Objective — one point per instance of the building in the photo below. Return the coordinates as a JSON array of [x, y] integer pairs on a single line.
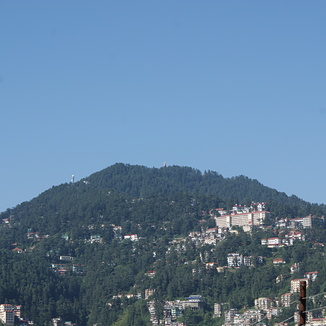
[[78, 269], [254, 218], [234, 260], [243, 216], [237, 260], [211, 265], [274, 242], [263, 303], [132, 237], [312, 221], [66, 258], [217, 310], [295, 284], [7, 314], [148, 293], [278, 261], [311, 276], [230, 314], [194, 302], [294, 268], [17, 250], [95, 239], [150, 274], [286, 299], [272, 312]]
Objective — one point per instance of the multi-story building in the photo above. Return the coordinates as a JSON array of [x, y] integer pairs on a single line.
[[229, 315], [7, 314], [311, 221], [263, 303], [295, 284], [148, 293], [243, 216], [254, 218], [237, 260], [311, 276], [272, 312], [247, 261], [316, 322], [274, 242], [194, 302], [286, 299], [234, 260], [217, 310]]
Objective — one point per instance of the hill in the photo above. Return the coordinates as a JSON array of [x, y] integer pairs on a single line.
[[105, 193], [100, 250]]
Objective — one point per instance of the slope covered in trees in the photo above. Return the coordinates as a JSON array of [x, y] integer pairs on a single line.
[[162, 206], [106, 191]]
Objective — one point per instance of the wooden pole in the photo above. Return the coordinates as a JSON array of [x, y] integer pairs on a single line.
[[302, 303]]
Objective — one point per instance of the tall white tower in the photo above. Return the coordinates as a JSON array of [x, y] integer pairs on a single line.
[[73, 178]]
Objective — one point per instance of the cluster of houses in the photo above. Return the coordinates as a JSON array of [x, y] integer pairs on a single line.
[[172, 310], [238, 260], [242, 216], [67, 265], [60, 322], [63, 269], [10, 315], [266, 308], [209, 236], [306, 222], [288, 239]]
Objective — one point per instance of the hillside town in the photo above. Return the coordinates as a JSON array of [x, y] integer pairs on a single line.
[[228, 223]]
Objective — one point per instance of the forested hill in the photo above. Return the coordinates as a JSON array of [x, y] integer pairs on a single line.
[[140, 181], [88, 198], [68, 252]]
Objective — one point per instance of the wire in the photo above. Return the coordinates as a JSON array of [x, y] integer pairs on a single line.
[[286, 320], [315, 295], [314, 309], [310, 297], [258, 321], [303, 312], [291, 303]]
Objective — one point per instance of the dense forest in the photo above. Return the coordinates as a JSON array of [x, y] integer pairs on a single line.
[[77, 264]]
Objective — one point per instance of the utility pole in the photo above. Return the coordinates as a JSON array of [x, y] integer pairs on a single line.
[[302, 303]]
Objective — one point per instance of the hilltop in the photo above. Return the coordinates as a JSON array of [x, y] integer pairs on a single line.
[[99, 193]]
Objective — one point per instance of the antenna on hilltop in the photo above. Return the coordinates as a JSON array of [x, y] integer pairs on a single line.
[[73, 178]]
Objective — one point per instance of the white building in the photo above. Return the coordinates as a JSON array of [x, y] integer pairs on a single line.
[[7, 314], [237, 260], [132, 237], [286, 299], [254, 218], [234, 260], [263, 303], [295, 284], [311, 276], [217, 310]]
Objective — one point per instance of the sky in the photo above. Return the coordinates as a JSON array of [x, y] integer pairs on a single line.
[[236, 87]]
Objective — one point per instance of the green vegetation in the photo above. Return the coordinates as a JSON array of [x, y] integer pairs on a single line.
[[159, 205]]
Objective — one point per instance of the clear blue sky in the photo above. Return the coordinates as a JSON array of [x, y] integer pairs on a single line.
[[237, 87]]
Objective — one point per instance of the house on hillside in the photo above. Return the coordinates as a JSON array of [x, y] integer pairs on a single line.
[[17, 250], [311, 276], [295, 284], [278, 261]]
